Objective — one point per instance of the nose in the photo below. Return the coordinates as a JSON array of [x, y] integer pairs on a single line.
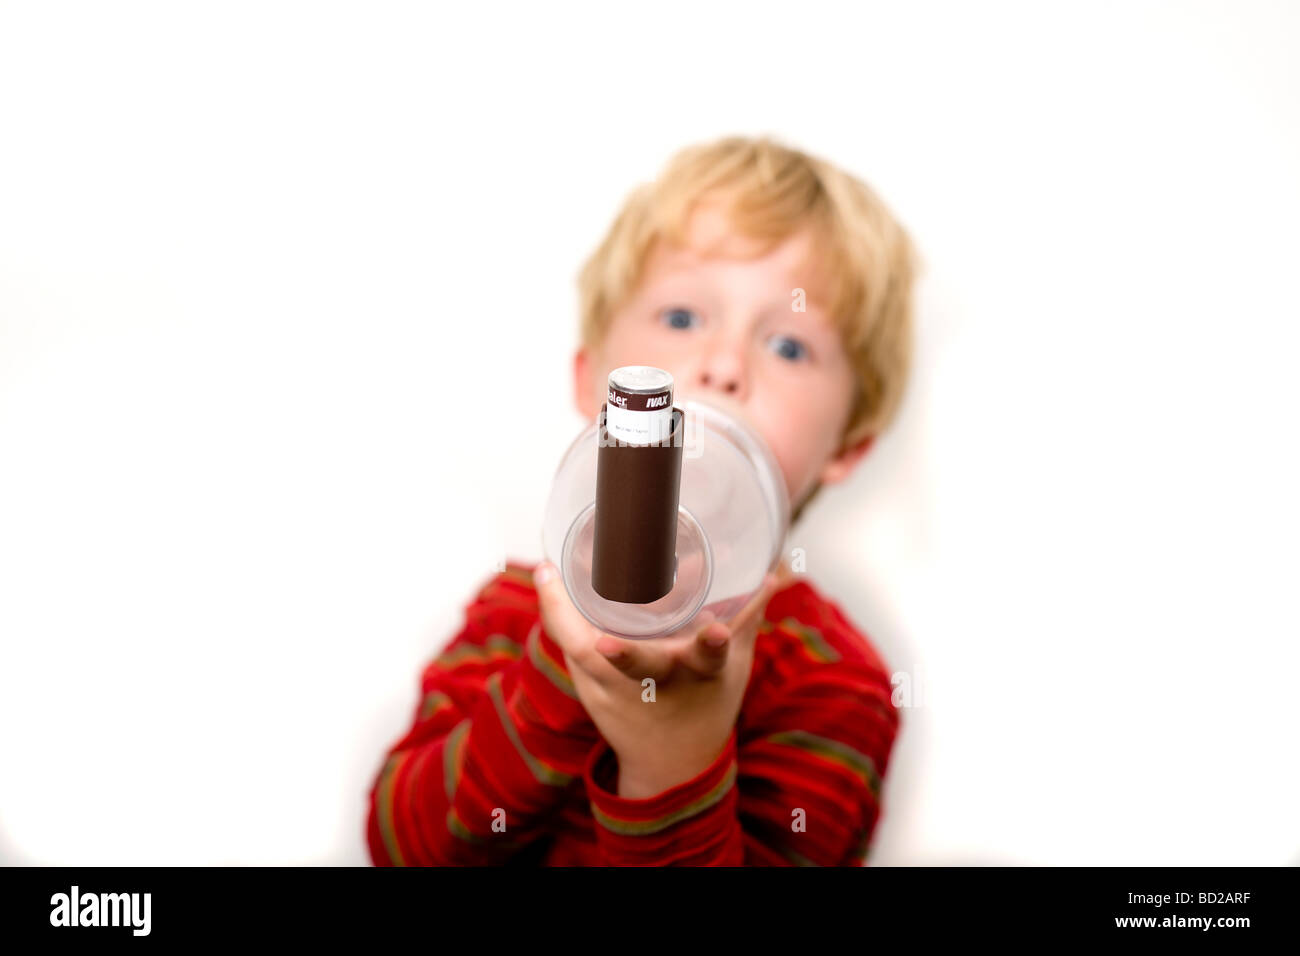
[[723, 370]]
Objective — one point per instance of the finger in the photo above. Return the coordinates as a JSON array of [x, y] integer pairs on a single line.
[[636, 659], [682, 648], [563, 622], [707, 650], [707, 655], [653, 658]]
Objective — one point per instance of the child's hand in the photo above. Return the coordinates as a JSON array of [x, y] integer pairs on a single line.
[[670, 737]]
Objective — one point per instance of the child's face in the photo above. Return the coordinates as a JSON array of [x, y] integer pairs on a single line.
[[725, 327]]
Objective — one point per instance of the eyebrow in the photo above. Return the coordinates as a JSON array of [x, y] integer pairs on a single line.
[[778, 307]]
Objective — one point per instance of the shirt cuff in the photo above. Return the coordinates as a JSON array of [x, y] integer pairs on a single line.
[[691, 823]]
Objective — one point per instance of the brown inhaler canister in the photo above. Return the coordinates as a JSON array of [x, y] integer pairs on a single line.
[[634, 555]]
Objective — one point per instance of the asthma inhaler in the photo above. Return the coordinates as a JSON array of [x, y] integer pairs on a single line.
[[732, 515], [638, 480]]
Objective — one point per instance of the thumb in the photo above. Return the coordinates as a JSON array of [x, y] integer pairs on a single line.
[[560, 618]]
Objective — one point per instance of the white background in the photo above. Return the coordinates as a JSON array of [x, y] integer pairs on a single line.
[[272, 274]]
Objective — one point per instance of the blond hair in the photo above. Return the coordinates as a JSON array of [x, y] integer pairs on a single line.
[[865, 260]]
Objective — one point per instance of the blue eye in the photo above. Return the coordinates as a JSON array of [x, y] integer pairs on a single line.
[[788, 348], [679, 318]]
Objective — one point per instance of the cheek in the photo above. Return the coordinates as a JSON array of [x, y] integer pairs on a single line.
[[793, 440], [631, 343]]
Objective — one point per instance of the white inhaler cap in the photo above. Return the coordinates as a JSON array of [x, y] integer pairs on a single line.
[[639, 410]]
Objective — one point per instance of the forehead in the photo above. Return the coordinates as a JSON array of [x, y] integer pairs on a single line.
[[710, 237]]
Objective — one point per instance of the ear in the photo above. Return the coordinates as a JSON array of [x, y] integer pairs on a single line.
[[841, 466], [582, 399]]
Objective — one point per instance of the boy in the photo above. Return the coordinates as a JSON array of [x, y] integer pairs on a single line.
[[779, 287]]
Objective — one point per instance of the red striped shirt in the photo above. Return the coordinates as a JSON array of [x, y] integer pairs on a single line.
[[502, 765]]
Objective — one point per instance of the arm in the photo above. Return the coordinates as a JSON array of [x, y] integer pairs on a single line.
[[498, 736], [821, 747]]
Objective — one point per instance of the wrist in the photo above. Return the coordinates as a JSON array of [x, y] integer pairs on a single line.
[[641, 779]]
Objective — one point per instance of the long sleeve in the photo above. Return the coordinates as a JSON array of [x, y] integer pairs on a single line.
[[812, 771], [498, 737], [798, 784]]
